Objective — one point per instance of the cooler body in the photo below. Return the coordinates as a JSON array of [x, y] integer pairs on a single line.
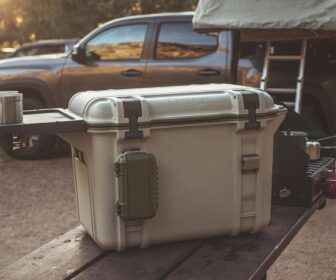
[[176, 163]]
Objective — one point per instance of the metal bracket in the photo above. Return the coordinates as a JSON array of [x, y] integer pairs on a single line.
[[132, 111], [78, 154], [251, 103], [250, 163]]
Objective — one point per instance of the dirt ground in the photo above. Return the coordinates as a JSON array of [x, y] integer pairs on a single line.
[[312, 253], [37, 203]]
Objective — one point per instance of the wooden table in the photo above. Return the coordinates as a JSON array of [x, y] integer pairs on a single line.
[[74, 255]]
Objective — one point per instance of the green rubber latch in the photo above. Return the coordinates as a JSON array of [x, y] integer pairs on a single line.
[[136, 174]]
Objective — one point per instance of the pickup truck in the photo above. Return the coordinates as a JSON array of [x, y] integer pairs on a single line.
[[145, 51]]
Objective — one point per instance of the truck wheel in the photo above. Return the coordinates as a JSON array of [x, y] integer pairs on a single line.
[[35, 146]]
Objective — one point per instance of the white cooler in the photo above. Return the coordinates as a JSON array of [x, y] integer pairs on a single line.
[[173, 163]]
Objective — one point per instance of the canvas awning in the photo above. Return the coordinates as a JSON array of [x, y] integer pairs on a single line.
[[265, 19]]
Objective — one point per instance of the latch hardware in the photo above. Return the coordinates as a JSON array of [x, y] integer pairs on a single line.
[[250, 163], [251, 104], [132, 111], [136, 174]]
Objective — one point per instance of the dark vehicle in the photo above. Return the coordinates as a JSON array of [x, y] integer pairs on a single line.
[[140, 51], [44, 47], [6, 52]]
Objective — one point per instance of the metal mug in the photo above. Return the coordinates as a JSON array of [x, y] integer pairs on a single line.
[[313, 150], [11, 107]]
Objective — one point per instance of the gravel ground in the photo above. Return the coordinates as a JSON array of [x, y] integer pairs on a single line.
[[37, 204], [312, 253]]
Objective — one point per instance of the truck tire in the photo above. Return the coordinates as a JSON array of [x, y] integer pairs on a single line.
[[38, 146]]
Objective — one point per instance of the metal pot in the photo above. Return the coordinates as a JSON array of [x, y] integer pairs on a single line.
[[11, 107], [313, 150]]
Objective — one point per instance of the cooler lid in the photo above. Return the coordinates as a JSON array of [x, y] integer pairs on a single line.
[[171, 104]]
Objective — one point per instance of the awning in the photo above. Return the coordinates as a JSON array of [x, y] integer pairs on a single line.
[[283, 19]]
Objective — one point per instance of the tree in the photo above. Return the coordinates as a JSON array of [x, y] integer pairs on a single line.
[[26, 20]]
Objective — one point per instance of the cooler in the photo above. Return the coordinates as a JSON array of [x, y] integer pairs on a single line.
[[167, 164]]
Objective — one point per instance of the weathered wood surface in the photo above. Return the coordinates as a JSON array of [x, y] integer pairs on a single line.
[[61, 258], [246, 256], [74, 255], [152, 263]]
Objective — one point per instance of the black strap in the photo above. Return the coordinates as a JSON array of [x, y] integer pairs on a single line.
[[132, 111], [251, 103]]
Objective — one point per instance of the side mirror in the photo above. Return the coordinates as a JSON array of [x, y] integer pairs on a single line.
[[81, 55], [78, 54], [92, 56]]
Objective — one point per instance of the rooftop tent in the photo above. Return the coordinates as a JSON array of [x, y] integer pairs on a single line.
[[268, 19]]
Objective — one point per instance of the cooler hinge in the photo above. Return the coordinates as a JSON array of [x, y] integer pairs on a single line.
[[251, 104], [132, 111]]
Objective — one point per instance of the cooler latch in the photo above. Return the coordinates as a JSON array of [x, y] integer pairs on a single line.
[[132, 111], [250, 163], [251, 104], [137, 185]]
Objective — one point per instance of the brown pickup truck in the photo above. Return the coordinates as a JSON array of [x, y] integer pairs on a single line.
[[156, 50]]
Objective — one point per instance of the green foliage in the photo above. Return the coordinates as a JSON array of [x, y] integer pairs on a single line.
[[46, 19]]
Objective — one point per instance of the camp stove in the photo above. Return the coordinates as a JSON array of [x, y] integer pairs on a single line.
[[317, 173], [299, 179], [303, 190]]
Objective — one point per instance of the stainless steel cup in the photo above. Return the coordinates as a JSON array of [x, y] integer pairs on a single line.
[[313, 150], [11, 107]]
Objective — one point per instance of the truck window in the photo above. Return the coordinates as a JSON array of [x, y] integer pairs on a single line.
[[179, 40], [119, 43]]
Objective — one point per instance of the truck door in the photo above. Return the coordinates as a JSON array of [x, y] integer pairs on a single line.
[[180, 56], [117, 61]]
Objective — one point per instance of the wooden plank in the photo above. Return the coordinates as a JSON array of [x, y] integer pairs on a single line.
[[74, 255], [61, 258], [152, 263], [246, 256]]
